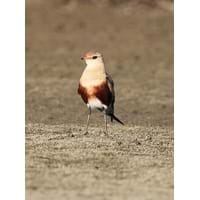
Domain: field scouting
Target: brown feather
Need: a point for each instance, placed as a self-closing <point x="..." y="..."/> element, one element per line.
<point x="83" y="92"/>
<point x="103" y="93"/>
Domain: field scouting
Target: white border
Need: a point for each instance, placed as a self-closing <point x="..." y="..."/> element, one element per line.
<point x="187" y="99"/>
<point x="12" y="100"/>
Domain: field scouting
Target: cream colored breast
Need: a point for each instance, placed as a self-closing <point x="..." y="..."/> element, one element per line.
<point x="93" y="75"/>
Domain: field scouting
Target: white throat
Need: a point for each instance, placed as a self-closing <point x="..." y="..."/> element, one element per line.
<point x="94" y="74"/>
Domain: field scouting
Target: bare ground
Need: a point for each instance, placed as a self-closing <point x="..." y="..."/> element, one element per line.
<point x="134" y="161"/>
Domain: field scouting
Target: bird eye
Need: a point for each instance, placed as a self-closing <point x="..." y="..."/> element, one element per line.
<point x="94" y="57"/>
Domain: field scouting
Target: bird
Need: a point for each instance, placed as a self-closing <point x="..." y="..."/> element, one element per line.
<point x="96" y="87"/>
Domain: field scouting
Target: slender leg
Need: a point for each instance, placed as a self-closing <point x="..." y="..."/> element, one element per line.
<point x="105" y="119"/>
<point x="88" y="119"/>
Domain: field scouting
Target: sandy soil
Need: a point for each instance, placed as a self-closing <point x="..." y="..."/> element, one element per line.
<point x="134" y="161"/>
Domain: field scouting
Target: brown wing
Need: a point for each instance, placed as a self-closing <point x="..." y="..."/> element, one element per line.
<point x="105" y="92"/>
<point x="110" y="83"/>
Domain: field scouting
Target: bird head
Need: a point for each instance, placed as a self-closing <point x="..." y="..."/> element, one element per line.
<point x="92" y="57"/>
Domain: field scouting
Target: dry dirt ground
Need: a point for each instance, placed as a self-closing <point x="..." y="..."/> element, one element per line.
<point x="134" y="161"/>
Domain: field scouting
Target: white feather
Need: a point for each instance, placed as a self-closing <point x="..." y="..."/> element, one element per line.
<point x="96" y="103"/>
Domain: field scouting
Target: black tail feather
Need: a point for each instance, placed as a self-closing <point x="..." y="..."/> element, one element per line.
<point x="115" y="118"/>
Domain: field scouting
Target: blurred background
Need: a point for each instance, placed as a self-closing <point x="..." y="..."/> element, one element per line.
<point x="134" y="161"/>
<point x="136" y="40"/>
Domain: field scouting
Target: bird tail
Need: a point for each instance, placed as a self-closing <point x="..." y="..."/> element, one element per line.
<point x="112" y="116"/>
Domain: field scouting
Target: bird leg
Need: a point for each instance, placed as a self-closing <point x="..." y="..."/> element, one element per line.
<point x="105" y="119"/>
<point x="88" y="119"/>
